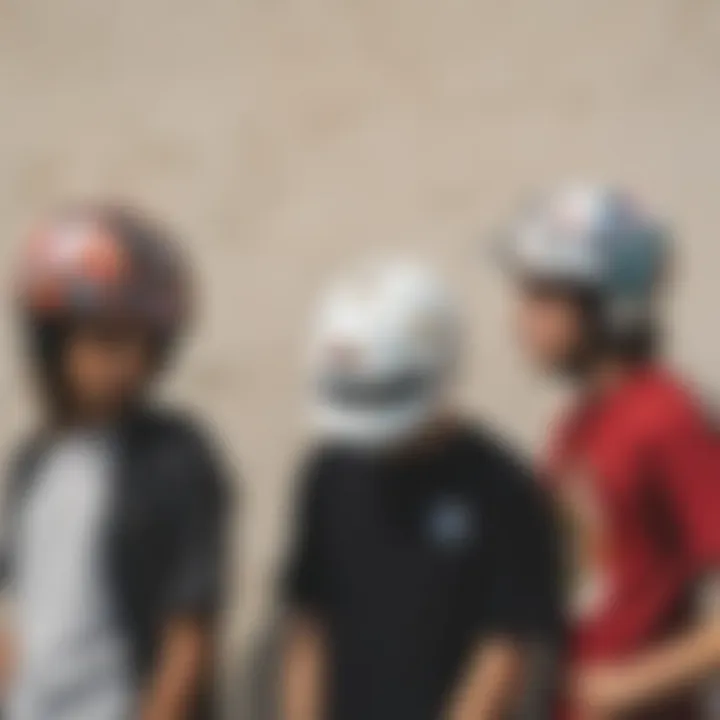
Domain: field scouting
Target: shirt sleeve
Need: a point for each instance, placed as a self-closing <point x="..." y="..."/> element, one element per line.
<point x="687" y="461"/>
<point x="303" y="585"/>
<point x="7" y="521"/>
<point x="526" y="594"/>
<point x="18" y="472"/>
<point x="5" y="544"/>
<point x="197" y="580"/>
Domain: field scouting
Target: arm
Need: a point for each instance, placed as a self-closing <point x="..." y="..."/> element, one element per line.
<point x="687" y="471"/>
<point x="675" y="666"/>
<point x="19" y="470"/>
<point x="8" y="651"/>
<point x="490" y="686"/>
<point x="305" y="651"/>
<point x="194" y="591"/>
<point x="7" y="636"/>
<point x="303" y="673"/>
<point x="185" y="652"/>
<point x="525" y="617"/>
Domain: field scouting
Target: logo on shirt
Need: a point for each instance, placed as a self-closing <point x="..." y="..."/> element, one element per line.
<point x="452" y="524"/>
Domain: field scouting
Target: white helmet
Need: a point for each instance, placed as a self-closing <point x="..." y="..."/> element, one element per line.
<point x="597" y="238"/>
<point x="385" y="344"/>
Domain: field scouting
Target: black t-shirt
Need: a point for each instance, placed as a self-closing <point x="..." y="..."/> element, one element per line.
<point x="409" y="563"/>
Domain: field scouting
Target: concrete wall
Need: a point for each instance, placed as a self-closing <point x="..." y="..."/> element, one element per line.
<point x="284" y="137"/>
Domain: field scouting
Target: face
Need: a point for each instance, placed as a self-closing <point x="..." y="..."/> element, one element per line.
<point x="105" y="367"/>
<point x="549" y="326"/>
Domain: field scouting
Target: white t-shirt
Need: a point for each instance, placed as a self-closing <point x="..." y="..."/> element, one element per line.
<point x="73" y="662"/>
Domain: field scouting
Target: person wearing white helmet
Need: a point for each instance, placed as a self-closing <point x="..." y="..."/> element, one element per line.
<point x="634" y="464"/>
<point x="423" y="560"/>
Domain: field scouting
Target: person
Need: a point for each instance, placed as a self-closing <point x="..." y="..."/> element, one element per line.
<point x="423" y="566"/>
<point x="116" y="514"/>
<point x="634" y="463"/>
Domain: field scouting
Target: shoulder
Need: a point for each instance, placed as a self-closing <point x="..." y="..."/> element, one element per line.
<point x="21" y="463"/>
<point x="319" y="464"/>
<point x="180" y="447"/>
<point x="504" y="480"/>
<point x="669" y="407"/>
<point x="497" y="466"/>
<point x="492" y="451"/>
<point x="23" y="455"/>
<point x="179" y="431"/>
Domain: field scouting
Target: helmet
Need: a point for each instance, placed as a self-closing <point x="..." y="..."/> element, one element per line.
<point x="103" y="263"/>
<point x="385" y="343"/>
<point x="597" y="239"/>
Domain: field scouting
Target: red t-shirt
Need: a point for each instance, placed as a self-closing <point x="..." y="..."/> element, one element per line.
<point x="637" y="475"/>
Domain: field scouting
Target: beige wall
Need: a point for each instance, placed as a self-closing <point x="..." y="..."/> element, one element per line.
<point x="284" y="137"/>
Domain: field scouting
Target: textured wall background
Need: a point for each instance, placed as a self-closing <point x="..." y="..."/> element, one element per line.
<point x="283" y="137"/>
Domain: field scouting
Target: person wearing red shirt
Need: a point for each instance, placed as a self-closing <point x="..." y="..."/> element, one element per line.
<point x="634" y="463"/>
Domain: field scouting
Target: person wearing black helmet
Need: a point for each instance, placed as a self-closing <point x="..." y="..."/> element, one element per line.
<point x="116" y="513"/>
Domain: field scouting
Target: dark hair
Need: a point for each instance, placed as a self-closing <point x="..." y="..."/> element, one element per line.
<point x="636" y="344"/>
<point x="47" y="342"/>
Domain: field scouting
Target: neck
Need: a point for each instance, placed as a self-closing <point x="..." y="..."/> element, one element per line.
<point x="432" y="436"/>
<point x="607" y="375"/>
<point x="88" y="417"/>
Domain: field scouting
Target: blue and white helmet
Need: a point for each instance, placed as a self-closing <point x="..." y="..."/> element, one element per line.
<point x="597" y="238"/>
